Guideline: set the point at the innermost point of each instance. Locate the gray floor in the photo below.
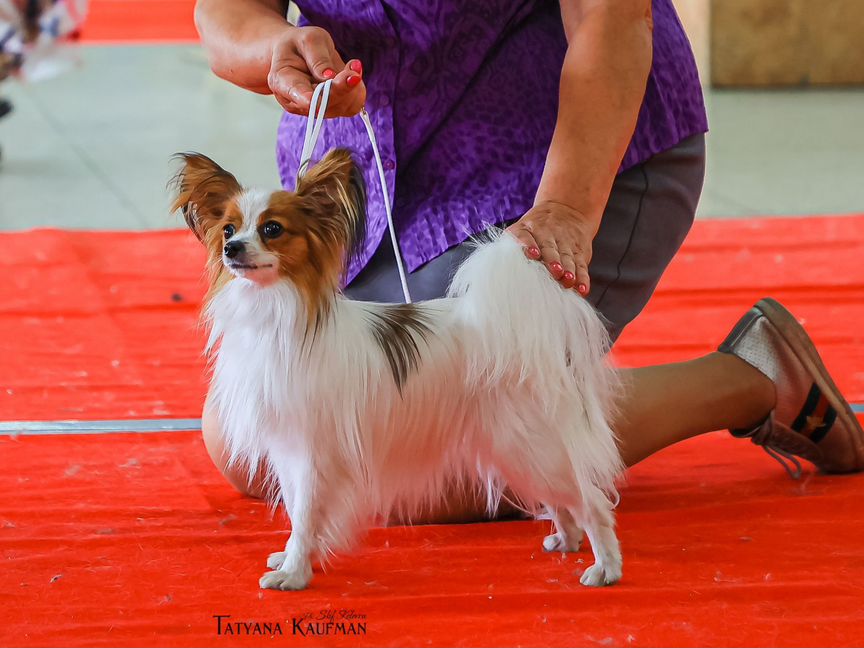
(91, 148)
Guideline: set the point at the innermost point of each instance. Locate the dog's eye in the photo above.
(229, 231)
(271, 229)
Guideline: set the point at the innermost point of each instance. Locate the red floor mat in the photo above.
(133, 540)
(147, 21)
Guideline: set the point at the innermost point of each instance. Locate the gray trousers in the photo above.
(650, 210)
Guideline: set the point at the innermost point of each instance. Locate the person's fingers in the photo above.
(355, 73)
(292, 88)
(316, 48)
(552, 258)
(527, 241)
(583, 280)
(340, 84)
(356, 101)
(329, 72)
(291, 107)
(347, 93)
(287, 105)
(568, 263)
(356, 95)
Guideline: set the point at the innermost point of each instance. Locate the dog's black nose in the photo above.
(233, 248)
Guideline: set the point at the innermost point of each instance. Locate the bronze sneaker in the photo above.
(811, 419)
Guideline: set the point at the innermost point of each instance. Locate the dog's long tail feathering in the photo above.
(528, 321)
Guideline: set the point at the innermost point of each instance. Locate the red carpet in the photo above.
(147, 21)
(133, 540)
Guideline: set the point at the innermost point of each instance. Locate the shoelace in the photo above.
(314, 123)
(781, 456)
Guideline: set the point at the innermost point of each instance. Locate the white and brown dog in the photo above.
(363, 410)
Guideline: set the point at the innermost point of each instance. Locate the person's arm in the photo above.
(251, 44)
(239, 37)
(603, 83)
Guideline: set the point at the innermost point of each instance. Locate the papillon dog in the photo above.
(362, 411)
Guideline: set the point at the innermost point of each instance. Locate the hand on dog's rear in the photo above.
(560, 237)
(305, 57)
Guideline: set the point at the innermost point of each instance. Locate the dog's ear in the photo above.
(335, 192)
(201, 188)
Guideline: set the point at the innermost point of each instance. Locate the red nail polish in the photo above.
(353, 81)
(583, 289)
(328, 73)
(534, 252)
(568, 276)
(357, 66)
(555, 267)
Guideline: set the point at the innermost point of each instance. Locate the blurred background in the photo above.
(90, 148)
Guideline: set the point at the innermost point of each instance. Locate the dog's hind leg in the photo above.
(568, 535)
(293, 567)
(598, 520)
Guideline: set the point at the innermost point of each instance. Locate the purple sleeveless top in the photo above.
(463, 95)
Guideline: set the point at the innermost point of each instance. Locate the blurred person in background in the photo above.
(29, 31)
(11, 44)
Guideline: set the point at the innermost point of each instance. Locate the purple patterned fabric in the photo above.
(463, 95)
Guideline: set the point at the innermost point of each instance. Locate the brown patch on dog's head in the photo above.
(303, 237)
(201, 192)
(206, 194)
(325, 223)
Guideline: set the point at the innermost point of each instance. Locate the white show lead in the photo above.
(314, 122)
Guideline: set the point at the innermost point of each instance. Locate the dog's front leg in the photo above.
(293, 567)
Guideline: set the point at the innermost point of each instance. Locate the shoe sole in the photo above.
(804, 349)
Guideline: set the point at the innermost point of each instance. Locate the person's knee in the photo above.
(237, 474)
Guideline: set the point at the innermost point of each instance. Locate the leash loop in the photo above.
(314, 123)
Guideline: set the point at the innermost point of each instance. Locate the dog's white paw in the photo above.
(560, 542)
(285, 580)
(600, 575)
(275, 560)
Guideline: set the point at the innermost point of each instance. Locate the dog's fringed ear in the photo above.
(201, 188)
(336, 193)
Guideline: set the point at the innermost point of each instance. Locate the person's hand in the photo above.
(559, 237)
(306, 56)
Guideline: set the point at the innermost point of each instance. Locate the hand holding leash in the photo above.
(306, 56)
